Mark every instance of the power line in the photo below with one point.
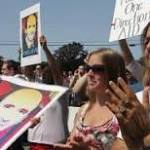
(64, 43)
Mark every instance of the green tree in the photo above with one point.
(70, 56)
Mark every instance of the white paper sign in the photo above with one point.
(30, 31)
(130, 17)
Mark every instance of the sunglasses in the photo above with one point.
(95, 68)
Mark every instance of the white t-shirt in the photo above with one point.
(52, 127)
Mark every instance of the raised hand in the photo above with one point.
(132, 116)
(43, 42)
(79, 142)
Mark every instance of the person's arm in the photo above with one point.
(126, 53)
(80, 84)
(146, 105)
(74, 79)
(56, 73)
(119, 144)
(131, 64)
(133, 118)
(145, 100)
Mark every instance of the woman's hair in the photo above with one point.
(143, 36)
(146, 78)
(114, 67)
(113, 63)
(143, 44)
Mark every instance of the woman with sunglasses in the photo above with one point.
(96, 127)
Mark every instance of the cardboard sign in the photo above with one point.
(30, 31)
(130, 17)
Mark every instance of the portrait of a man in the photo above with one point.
(30, 35)
(30, 31)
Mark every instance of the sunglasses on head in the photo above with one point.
(95, 68)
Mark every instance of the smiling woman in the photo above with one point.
(96, 127)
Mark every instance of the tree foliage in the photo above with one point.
(70, 56)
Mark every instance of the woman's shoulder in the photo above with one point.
(81, 111)
(83, 108)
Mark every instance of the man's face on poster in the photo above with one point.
(31, 29)
(15, 108)
(11, 115)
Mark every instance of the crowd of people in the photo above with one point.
(110, 116)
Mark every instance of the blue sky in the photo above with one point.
(85, 21)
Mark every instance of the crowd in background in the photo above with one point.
(102, 88)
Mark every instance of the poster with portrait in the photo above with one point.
(20, 101)
(30, 31)
(130, 17)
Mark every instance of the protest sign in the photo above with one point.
(19, 102)
(130, 17)
(30, 31)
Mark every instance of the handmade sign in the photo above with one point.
(30, 31)
(130, 17)
(19, 102)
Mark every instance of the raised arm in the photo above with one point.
(127, 55)
(131, 64)
(55, 69)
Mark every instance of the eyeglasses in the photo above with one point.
(95, 68)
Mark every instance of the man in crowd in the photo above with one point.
(10, 68)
